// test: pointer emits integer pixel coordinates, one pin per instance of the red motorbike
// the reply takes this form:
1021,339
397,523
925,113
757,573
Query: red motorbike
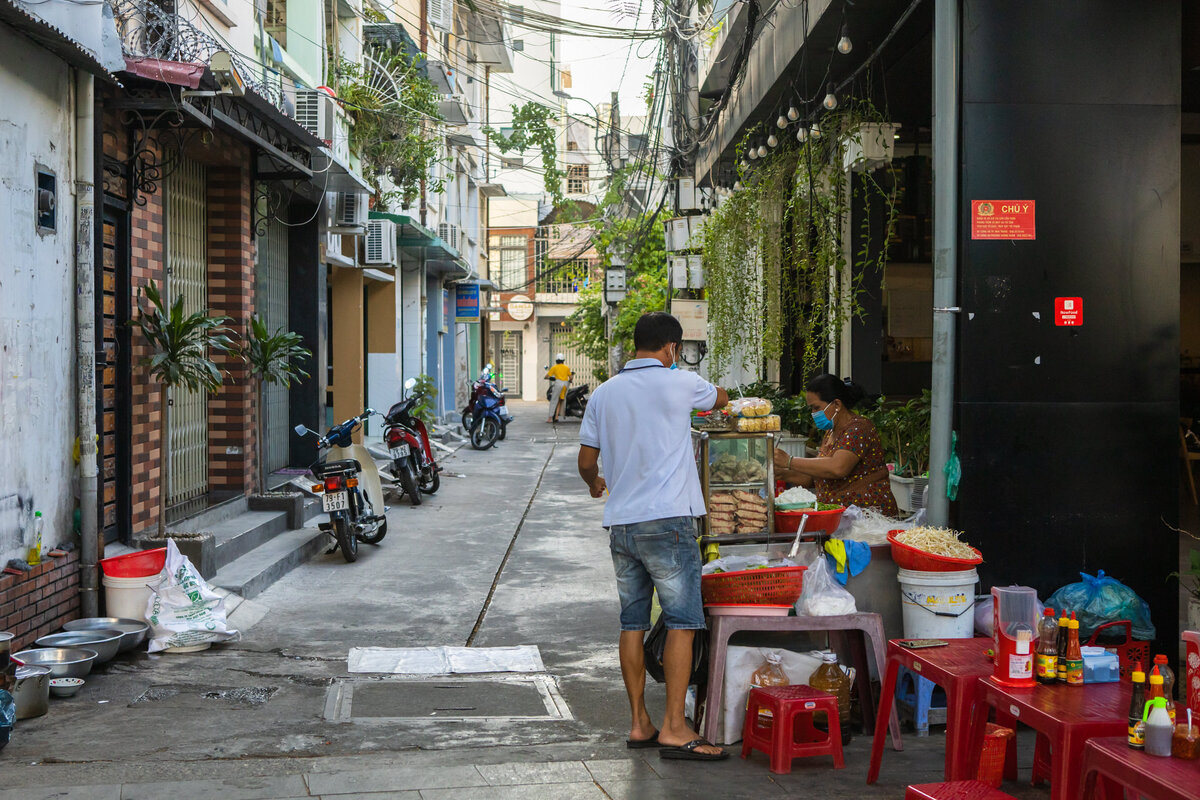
407,439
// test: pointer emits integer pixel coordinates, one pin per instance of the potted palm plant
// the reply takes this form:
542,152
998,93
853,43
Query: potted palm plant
180,347
273,358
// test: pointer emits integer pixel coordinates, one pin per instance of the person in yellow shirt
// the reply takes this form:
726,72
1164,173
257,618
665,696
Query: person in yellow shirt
560,377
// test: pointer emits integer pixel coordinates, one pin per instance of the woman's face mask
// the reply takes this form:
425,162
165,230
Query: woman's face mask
823,422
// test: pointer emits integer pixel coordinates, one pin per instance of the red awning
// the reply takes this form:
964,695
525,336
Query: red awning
179,73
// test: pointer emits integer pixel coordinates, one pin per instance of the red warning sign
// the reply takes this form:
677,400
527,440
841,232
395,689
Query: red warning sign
1003,219
1068,311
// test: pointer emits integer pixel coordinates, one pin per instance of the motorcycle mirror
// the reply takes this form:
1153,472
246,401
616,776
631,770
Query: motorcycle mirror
300,430
409,384
367,412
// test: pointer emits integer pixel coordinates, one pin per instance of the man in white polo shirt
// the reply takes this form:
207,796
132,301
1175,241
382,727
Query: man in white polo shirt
639,424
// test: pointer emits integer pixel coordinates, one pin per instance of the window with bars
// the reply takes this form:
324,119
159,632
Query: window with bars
577,179
566,277
511,257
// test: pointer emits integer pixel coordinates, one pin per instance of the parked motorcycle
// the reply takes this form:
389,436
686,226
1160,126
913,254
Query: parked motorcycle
485,387
351,493
576,400
407,439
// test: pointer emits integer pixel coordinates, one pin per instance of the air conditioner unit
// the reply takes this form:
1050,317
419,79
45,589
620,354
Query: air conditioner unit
380,246
448,233
350,210
316,112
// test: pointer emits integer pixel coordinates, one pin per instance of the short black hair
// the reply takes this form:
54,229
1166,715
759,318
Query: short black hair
830,387
656,330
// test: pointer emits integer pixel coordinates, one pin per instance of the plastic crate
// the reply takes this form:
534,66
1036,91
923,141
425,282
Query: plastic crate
1131,651
991,757
779,586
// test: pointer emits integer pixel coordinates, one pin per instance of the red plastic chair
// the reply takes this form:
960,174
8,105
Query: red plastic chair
791,733
955,790
1192,638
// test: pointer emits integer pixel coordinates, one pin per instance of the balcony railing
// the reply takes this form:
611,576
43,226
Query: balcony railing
566,278
148,30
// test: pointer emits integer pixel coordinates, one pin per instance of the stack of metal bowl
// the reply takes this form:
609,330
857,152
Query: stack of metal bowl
133,631
64,662
104,641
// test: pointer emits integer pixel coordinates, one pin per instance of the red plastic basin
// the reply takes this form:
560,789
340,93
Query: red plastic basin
908,557
141,564
818,521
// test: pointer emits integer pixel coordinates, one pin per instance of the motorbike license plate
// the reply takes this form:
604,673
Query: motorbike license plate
336,501
400,451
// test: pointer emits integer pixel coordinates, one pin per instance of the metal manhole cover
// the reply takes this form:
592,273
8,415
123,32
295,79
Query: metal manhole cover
378,700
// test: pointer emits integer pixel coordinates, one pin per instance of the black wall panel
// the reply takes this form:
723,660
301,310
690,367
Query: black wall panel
1068,436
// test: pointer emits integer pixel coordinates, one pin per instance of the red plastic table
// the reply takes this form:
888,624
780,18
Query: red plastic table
1066,715
1110,764
957,667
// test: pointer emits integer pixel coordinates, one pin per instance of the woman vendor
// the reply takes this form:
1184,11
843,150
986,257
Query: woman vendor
849,468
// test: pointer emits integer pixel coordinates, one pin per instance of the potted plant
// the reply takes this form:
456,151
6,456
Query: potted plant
1190,582
904,433
273,358
180,346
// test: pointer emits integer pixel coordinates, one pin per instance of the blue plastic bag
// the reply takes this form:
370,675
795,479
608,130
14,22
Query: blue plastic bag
8,716
1100,599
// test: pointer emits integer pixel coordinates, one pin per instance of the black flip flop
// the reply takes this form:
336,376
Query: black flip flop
643,744
688,752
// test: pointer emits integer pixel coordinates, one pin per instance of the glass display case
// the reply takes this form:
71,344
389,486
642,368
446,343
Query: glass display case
737,475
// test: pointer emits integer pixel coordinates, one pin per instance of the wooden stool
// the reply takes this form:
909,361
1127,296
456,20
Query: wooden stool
791,733
955,790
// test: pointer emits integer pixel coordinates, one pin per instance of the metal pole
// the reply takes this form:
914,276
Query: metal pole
946,55
85,338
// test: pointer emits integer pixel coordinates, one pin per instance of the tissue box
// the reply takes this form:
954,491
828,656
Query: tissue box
1100,666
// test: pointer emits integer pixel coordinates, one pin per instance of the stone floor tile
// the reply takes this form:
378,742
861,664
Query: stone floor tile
534,773
98,792
546,791
621,769
392,780
264,788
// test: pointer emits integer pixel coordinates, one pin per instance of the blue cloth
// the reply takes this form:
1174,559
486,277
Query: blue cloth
659,554
847,558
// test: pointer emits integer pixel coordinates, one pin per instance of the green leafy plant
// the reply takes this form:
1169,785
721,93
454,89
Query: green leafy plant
904,432
180,346
1190,580
774,254
426,392
273,358
395,137
532,127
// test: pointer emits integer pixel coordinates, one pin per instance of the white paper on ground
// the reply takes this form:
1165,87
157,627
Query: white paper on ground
438,660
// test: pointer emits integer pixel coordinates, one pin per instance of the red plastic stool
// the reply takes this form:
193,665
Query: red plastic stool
791,733
955,790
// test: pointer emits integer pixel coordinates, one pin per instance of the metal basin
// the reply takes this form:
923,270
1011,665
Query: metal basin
104,641
134,630
64,662
32,691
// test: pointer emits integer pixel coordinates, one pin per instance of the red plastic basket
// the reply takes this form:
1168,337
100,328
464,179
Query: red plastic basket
818,521
776,586
991,757
141,564
1130,652
908,557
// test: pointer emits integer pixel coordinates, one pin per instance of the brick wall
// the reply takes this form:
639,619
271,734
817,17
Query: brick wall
40,602
231,265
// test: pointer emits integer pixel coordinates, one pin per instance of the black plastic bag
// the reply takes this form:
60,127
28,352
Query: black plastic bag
656,642
8,716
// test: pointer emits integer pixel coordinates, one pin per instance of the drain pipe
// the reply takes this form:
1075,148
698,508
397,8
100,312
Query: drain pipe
946,54
85,338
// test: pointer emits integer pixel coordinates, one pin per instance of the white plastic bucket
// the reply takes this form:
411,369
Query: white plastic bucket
128,597
938,605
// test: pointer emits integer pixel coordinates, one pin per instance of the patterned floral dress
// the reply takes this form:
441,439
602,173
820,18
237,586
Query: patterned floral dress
860,438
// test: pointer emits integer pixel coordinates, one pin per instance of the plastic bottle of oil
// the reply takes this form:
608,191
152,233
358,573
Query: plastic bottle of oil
769,673
830,678
35,552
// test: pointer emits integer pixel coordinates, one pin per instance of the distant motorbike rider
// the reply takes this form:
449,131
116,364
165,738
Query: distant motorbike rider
560,378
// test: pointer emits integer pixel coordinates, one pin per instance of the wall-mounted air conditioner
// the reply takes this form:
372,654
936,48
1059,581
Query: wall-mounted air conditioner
350,210
380,245
316,112
448,233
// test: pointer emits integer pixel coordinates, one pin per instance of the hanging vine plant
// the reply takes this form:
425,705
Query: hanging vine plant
775,260
531,127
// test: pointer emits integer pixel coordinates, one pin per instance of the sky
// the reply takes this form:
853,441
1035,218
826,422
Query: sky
597,65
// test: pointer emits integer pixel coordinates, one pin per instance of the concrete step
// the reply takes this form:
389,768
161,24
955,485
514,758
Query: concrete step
212,516
251,574
233,538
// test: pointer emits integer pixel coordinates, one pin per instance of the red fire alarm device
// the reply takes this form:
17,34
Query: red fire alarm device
1068,311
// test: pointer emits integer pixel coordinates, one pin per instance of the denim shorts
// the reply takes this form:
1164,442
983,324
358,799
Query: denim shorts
658,554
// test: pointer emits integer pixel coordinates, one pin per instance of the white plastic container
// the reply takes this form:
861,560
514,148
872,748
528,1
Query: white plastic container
128,597
938,605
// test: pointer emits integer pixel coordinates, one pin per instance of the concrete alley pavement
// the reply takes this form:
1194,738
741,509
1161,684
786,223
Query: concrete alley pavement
509,552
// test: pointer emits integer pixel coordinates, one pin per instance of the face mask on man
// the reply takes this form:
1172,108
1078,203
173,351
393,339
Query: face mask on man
823,422
675,358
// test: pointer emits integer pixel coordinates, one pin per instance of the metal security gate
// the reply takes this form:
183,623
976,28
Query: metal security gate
583,370
271,302
506,356
187,274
